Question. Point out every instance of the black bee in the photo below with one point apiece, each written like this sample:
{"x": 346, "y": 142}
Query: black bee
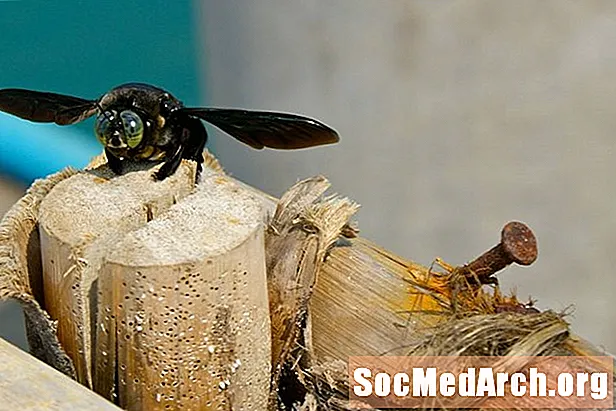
{"x": 141, "y": 122}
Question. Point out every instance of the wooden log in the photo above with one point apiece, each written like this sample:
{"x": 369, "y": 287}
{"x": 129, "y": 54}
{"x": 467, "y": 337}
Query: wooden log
{"x": 186, "y": 320}
{"x": 29, "y": 384}
{"x": 80, "y": 219}
{"x": 160, "y": 305}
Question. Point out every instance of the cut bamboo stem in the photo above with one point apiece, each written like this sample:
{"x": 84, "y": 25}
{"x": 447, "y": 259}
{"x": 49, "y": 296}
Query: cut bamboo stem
{"x": 80, "y": 219}
{"x": 186, "y": 320}
{"x": 159, "y": 288}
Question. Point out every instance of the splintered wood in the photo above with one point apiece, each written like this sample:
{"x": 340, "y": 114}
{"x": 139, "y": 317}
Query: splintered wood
{"x": 160, "y": 288}
{"x": 21, "y": 272}
{"x": 302, "y": 230}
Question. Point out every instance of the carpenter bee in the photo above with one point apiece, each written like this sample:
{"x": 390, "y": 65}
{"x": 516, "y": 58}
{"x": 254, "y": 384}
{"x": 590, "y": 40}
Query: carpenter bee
{"x": 138, "y": 121}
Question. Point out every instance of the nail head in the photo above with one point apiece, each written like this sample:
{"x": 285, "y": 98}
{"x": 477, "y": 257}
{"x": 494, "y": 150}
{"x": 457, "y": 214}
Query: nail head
{"x": 519, "y": 243}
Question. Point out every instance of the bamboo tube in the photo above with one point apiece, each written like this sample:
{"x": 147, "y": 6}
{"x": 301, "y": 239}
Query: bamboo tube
{"x": 186, "y": 321}
{"x": 79, "y": 220}
{"x": 183, "y": 288}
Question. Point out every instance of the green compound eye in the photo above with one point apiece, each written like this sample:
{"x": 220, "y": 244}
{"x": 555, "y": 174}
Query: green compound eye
{"x": 133, "y": 128}
{"x": 101, "y": 126}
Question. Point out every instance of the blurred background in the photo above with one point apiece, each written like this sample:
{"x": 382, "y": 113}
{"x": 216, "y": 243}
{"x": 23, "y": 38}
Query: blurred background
{"x": 455, "y": 116}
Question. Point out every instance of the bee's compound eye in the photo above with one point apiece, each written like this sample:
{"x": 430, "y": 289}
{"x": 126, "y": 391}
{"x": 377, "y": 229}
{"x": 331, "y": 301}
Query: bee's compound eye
{"x": 133, "y": 128}
{"x": 101, "y": 126}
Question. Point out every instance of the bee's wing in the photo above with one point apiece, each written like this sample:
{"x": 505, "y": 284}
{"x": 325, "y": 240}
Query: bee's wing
{"x": 45, "y": 107}
{"x": 261, "y": 129}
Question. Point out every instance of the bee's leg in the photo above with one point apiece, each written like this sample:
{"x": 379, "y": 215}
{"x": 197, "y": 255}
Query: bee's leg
{"x": 195, "y": 143}
{"x": 115, "y": 164}
{"x": 171, "y": 165}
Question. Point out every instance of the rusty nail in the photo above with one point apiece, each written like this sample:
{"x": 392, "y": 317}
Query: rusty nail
{"x": 518, "y": 245}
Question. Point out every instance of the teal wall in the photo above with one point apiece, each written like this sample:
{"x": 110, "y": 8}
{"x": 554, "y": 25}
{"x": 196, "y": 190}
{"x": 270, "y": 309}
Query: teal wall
{"x": 84, "y": 48}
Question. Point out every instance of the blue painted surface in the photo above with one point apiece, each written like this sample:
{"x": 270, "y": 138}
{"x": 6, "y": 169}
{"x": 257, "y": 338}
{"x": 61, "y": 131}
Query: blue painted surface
{"x": 29, "y": 151}
{"x": 84, "y": 48}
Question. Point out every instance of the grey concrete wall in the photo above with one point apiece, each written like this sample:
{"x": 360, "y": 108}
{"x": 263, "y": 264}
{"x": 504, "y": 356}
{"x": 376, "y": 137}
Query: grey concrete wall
{"x": 455, "y": 116}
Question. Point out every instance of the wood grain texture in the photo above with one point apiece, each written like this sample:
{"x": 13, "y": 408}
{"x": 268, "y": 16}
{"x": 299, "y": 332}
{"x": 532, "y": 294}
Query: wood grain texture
{"x": 27, "y": 384}
{"x": 185, "y": 320}
{"x": 79, "y": 220}
{"x": 159, "y": 288}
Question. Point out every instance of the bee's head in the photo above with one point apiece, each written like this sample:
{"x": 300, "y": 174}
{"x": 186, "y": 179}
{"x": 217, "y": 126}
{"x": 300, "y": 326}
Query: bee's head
{"x": 119, "y": 130}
